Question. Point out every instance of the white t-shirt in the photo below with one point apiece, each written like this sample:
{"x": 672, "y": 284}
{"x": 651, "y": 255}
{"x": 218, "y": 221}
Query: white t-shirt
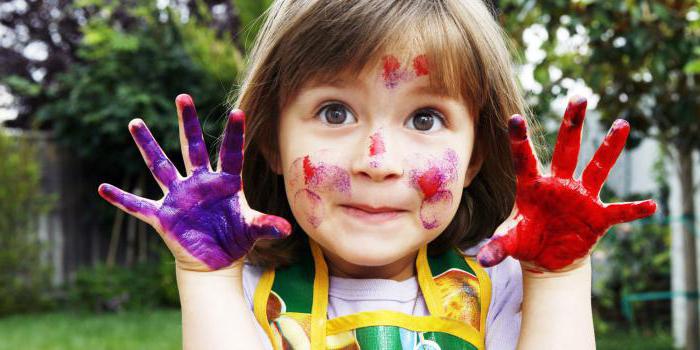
{"x": 348, "y": 295}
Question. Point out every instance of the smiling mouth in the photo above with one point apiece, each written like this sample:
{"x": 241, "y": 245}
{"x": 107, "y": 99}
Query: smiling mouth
{"x": 372, "y": 214}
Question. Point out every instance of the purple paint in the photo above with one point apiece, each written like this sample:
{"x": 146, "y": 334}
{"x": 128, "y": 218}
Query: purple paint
{"x": 323, "y": 177}
{"x": 311, "y": 204}
{"x": 312, "y": 178}
{"x": 201, "y": 212}
{"x": 161, "y": 167}
{"x": 196, "y": 149}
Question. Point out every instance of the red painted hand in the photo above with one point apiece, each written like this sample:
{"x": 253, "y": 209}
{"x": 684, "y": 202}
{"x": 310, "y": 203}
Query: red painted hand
{"x": 559, "y": 219}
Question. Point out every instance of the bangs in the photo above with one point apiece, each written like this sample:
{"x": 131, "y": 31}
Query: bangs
{"x": 340, "y": 48}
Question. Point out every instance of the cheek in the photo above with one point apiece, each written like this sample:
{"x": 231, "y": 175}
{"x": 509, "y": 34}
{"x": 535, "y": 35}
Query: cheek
{"x": 312, "y": 181}
{"x": 436, "y": 181}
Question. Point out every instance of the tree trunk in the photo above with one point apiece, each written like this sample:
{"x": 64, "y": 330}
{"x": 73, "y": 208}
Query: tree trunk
{"x": 685, "y": 172}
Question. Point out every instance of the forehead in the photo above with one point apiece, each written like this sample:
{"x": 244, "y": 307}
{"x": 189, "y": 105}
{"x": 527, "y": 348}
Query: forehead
{"x": 387, "y": 71}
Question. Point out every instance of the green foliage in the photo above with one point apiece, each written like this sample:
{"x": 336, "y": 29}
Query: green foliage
{"x": 137, "y": 71}
{"x": 103, "y": 288}
{"x": 640, "y": 57}
{"x": 632, "y": 258}
{"x": 24, "y": 279}
{"x": 249, "y": 13}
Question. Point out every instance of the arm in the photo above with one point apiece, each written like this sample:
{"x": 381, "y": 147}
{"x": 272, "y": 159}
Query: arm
{"x": 556, "y": 222}
{"x": 209, "y": 302}
{"x": 207, "y": 224}
{"x": 561, "y": 302}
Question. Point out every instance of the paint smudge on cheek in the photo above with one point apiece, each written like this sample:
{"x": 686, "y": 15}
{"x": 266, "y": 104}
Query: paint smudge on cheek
{"x": 432, "y": 182}
{"x": 311, "y": 206}
{"x": 322, "y": 181}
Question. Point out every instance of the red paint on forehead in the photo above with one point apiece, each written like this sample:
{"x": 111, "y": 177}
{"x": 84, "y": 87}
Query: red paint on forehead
{"x": 391, "y": 65}
{"x": 430, "y": 182}
{"x": 309, "y": 170}
{"x": 420, "y": 65}
{"x": 376, "y": 147}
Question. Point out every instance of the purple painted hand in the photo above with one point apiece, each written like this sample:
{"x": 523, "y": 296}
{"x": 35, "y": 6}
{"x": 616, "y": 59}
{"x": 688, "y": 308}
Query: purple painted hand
{"x": 203, "y": 218}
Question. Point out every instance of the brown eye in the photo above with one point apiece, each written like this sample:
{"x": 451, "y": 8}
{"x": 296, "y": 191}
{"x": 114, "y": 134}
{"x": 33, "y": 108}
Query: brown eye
{"x": 335, "y": 113}
{"x": 425, "y": 120}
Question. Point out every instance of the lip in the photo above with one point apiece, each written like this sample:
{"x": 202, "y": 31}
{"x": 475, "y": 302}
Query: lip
{"x": 372, "y": 214}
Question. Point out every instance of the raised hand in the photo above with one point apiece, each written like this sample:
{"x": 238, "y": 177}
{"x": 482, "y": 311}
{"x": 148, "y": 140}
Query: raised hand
{"x": 559, "y": 219}
{"x": 203, "y": 218}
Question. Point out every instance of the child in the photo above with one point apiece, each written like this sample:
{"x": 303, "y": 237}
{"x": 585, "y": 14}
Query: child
{"x": 379, "y": 151}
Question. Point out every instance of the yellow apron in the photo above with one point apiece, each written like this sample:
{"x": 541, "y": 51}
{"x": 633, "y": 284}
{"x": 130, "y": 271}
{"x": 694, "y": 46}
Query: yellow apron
{"x": 291, "y": 305}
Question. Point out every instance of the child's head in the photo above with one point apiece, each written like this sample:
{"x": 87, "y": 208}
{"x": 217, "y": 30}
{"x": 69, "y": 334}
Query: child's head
{"x": 374, "y": 105}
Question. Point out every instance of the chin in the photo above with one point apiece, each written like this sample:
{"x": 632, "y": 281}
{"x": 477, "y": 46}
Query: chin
{"x": 370, "y": 248}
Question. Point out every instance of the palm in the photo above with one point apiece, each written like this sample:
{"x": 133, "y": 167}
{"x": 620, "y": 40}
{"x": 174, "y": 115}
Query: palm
{"x": 560, "y": 219}
{"x": 203, "y": 218}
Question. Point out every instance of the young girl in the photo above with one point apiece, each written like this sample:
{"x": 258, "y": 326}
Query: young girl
{"x": 380, "y": 158}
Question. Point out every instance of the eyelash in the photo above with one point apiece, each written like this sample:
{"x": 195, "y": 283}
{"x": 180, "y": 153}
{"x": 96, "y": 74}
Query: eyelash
{"x": 431, "y": 110}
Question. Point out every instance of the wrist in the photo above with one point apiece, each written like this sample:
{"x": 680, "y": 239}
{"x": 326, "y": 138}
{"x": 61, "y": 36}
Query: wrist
{"x": 230, "y": 277}
{"x": 580, "y": 267}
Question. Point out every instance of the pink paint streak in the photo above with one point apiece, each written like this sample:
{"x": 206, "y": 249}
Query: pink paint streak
{"x": 376, "y": 146}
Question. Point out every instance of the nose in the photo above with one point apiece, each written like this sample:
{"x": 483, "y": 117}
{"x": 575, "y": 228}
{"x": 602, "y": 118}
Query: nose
{"x": 378, "y": 159}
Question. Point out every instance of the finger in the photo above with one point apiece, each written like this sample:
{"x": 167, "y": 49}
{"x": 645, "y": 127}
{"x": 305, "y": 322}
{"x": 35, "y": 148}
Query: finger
{"x": 268, "y": 226}
{"x": 524, "y": 159}
{"x": 161, "y": 167}
{"x": 629, "y": 211}
{"x": 231, "y": 152}
{"x": 497, "y": 249}
{"x": 142, "y": 208}
{"x": 605, "y": 157}
{"x": 194, "y": 151}
{"x": 568, "y": 143}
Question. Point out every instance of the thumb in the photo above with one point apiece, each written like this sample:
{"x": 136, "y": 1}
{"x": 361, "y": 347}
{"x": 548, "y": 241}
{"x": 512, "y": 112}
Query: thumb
{"x": 495, "y": 250}
{"x": 268, "y": 226}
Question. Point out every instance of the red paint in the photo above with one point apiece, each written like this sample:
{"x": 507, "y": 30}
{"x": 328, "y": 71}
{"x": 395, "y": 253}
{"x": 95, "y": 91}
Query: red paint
{"x": 309, "y": 170}
{"x": 376, "y": 146}
{"x": 282, "y": 226}
{"x": 430, "y": 182}
{"x": 569, "y": 141}
{"x": 420, "y": 65}
{"x": 391, "y": 66}
{"x": 560, "y": 219}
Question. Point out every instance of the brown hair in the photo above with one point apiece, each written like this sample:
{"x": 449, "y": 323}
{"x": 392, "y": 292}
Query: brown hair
{"x": 316, "y": 39}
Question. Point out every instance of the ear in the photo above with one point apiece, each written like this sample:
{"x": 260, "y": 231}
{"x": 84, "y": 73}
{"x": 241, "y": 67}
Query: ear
{"x": 475, "y": 163}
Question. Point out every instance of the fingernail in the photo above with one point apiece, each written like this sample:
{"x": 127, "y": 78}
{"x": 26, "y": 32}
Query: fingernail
{"x": 517, "y": 127}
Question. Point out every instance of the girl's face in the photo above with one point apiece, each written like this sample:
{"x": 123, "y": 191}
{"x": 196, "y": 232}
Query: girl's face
{"x": 375, "y": 165}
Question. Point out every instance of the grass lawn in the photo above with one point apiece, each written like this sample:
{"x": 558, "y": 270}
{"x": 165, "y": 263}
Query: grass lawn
{"x": 160, "y": 329}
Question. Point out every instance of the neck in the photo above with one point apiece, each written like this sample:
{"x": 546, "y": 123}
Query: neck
{"x": 399, "y": 270}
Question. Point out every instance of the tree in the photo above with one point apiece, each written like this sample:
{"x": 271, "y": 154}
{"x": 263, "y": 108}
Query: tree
{"x": 126, "y": 59}
{"x": 642, "y": 58}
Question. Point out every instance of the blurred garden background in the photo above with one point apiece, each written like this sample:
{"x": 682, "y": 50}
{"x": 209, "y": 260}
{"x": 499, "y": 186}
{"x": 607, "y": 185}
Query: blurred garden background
{"x": 77, "y": 274}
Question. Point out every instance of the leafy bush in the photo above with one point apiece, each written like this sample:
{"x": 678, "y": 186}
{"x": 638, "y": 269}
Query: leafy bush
{"x": 24, "y": 280}
{"x": 632, "y": 258}
{"x": 103, "y": 288}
